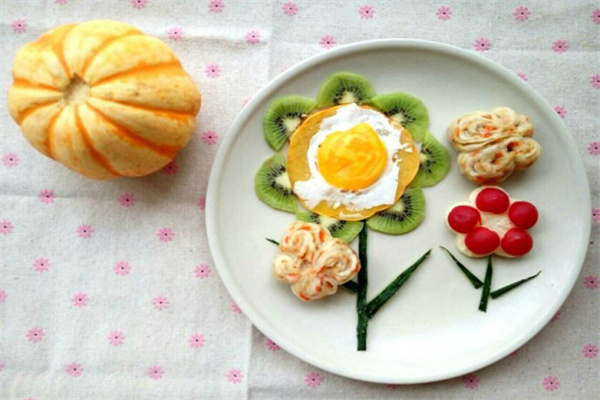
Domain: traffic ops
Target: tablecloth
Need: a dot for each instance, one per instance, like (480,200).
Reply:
(108,289)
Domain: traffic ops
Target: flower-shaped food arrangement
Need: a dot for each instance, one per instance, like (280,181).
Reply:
(492,145)
(313,262)
(490,222)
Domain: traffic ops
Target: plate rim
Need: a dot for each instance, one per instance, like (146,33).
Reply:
(306,64)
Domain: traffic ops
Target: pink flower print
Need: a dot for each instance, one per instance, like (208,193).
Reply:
(234,375)
(591,282)
(34,335)
(366,12)
(290,8)
(155,372)
(175,33)
(10,160)
(201,203)
(271,345)
(116,338)
(74,369)
(235,308)
(6,227)
(160,302)
(522,76)
(551,383)
(471,381)
(252,37)
(444,13)
(210,137)
(247,99)
(482,44)
(122,268)
(196,340)
(138,3)
(594,148)
(560,46)
(85,231)
(171,168)
(213,71)
(1,365)
(556,316)
(596,214)
(79,299)
(46,196)
(561,111)
(41,264)
(2,295)
(313,379)
(327,42)
(595,16)
(165,234)
(522,13)
(594,80)
(590,350)
(60,1)
(202,271)
(127,199)
(19,26)
(216,6)
(514,353)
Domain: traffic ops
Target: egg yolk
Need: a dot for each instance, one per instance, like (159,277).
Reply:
(352,159)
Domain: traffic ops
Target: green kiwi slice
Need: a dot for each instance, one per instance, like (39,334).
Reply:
(272,184)
(344,230)
(402,217)
(435,162)
(282,118)
(406,110)
(345,88)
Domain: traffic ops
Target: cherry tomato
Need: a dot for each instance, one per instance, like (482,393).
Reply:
(517,242)
(492,200)
(463,218)
(523,214)
(482,241)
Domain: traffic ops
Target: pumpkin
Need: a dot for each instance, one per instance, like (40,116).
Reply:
(103,99)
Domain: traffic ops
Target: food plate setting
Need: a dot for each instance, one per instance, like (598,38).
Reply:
(388,211)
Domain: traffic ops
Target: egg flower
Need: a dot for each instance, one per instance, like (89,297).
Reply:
(490,222)
(492,145)
(313,262)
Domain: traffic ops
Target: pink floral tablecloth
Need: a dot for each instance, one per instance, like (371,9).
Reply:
(108,289)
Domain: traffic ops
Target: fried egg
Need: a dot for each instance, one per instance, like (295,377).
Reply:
(349,162)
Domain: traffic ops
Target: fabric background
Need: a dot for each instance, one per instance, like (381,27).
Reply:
(94,305)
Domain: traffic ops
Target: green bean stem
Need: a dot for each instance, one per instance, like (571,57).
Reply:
(475,281)
(351,286)
(497,293)
(361,298)
(487,285)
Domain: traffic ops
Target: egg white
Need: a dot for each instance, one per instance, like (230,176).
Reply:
(382,192)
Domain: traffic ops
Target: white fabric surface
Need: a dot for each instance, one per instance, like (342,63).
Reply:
(30,298)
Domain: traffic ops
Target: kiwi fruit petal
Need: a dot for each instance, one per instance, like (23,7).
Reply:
(406,110)
(435,162)
(282,118)
(345,88)
(272,184)
(402,217)
(344,230)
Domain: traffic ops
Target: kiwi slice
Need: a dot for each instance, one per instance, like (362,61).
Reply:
(272,184)
(345,88)
(406,110)
(435,162)
(282,118)
(345,230)
(402,217)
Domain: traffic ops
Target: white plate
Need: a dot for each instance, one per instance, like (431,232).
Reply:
(431,329)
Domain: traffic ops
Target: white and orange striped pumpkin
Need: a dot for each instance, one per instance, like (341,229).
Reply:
(103,99)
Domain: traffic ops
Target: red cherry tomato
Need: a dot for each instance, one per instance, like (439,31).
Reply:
(517,242)
(523,214)
(463,218)
(482,241)
(492,200)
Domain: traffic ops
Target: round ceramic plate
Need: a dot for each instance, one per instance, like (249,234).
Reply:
(431,329)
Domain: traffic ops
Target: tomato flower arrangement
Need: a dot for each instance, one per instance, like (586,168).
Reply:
(490,222)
